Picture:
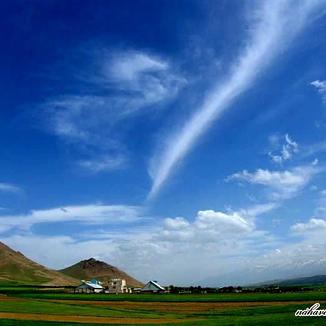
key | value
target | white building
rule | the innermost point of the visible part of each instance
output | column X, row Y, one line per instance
column 117, row 285
column 153, row 287
column 92, row 286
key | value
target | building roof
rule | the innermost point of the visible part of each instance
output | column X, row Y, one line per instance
column 156, row 285
column 92, row 284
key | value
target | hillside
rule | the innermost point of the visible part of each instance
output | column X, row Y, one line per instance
column 92, row 268
column 310, row 280
column 15, row 267
column 298, row 281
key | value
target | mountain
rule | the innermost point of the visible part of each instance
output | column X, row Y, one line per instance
column 299, row 281
column 92, row 268
column 310, row 280
column 15, row 267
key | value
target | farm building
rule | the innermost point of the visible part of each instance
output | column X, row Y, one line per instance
column 92, row 286
column 117, row 285
column 153, row 287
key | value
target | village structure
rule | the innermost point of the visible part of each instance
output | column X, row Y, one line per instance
column 153, row 287
column 92, row 286
column 117, row 286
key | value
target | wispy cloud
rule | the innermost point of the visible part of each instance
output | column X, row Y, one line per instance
column 258, row 209
column 215, row 236
column 7, row 187
column 321, row 87
column 286, row 152
column 283, row 184
column 147, row 78
column 314, row 224
column 230, row 241
column 85, row 214
column 267, row 39
column 104, row 163
column 120, row 85
column 130, row 66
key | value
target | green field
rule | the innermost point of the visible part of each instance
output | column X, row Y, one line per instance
column 232, row 297
column 31, row 306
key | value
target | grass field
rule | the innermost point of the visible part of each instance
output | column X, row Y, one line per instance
column 30, row 306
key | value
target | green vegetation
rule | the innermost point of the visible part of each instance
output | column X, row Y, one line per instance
column 58, row 308
column 230, row 297
column 167, row 309
column 29, row 275
column 13, row 322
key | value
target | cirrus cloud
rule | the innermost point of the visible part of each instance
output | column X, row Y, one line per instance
column 10, row 188
column 283, row 184
column 265, row 42
column 122, row 84
column 288, row 149
column 92, row 214
column 321, row 87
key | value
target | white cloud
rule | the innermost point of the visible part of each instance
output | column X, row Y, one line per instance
column 176, row 223
column 227, row 247
column 258, row 209
column 7, row 187
column 128, row 82
column 314, row 224
column 146, row 250
column 267, row 39
column 229, row 257
column 149, row 252
column 210, row 219
column 288, row 149
column 131, row 65
column 147, row 79
column 86, row 214
column 104, row 163
column 321, row 87
column 211, row 226
column 284, row 184
column 301, row 258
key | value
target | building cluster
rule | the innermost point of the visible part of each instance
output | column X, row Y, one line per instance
column 117, row 286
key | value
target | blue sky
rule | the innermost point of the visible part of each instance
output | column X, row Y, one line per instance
column 181, row 141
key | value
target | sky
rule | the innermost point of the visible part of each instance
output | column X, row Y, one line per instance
column 182, row 141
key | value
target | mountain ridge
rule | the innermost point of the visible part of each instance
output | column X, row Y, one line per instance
column 296, row 281
column 93, row 268
column 15, row 267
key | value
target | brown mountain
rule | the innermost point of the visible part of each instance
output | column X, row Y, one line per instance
column 15, row 267
column 92, row 268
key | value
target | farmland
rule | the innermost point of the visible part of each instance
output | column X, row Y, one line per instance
column 32, row 306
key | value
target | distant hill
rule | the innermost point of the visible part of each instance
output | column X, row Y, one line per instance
column 310, row 280
column 92, row 268
column 15, row 267
column 299, row 281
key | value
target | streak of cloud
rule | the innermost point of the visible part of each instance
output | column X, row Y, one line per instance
column 275, row 25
